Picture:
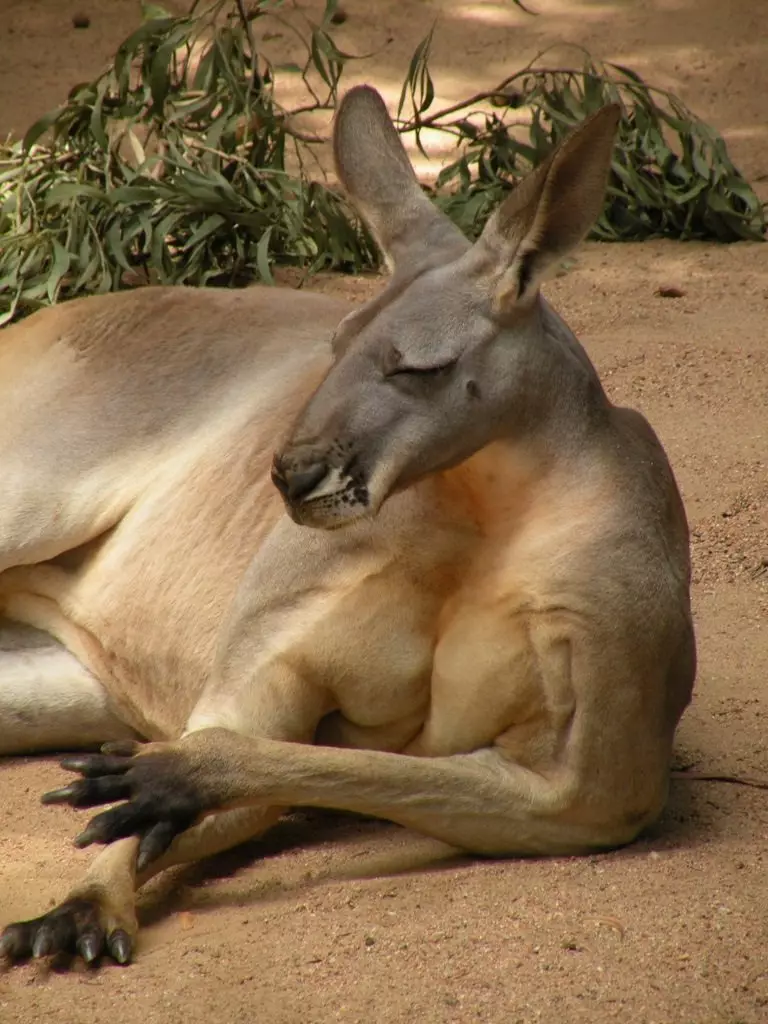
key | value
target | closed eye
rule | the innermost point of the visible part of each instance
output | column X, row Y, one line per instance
column 403, row 370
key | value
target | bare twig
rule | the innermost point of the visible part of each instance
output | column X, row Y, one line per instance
column 254, row 76
column 736, row 780
column 481, row 97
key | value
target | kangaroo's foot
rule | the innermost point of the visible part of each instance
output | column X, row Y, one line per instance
column 98, row 918
column 77, row 926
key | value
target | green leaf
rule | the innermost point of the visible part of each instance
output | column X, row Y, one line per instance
column 59, row 267
column 116, row 245
column 40, row 127
column 68, row 190
column 262, row 257
column 127, row 195
column 153, row 11
column 10, row 311
column 208, row 226
column 418, row 63
column 96, row 120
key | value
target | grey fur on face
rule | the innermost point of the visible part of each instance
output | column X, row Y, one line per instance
column 460, row 349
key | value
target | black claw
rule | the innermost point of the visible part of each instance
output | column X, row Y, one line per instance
column 86, row 837
column 44, row 942
column 59, row 796
column 120, row 946
column 121, row 748
column 16, row 941
column 90, row 792
column 156, row 841
column 118, row 823
column 92, row 766
column 110, row 825
column 90, row 945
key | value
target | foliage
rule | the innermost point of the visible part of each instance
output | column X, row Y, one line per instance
column 671, row 175
column 179, row 164
column 174, row 160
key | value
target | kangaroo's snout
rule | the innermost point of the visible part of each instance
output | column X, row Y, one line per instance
column 296, row 480
column 319, row 487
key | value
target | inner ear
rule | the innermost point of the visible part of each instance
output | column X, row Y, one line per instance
column 374, row 168
column 549, row 211
column 526, row 269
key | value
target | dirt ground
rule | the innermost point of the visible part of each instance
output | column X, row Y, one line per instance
column 333, row 919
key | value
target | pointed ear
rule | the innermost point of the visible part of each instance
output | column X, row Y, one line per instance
column 377, row 174
column 550, row 211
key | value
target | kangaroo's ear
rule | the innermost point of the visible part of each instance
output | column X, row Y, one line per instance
column 377, row 174
column 550, row 211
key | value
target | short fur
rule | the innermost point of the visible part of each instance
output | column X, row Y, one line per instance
column 494, row 650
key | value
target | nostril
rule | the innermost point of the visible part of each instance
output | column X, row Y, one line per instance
column 301, row 482
column 295, row 484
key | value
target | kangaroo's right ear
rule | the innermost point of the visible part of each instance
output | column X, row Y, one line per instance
column 377, row 174
column 549, row 211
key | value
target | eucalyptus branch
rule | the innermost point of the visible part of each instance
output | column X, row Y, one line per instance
column 212, row 201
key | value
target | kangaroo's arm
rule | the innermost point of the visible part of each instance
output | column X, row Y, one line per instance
column 480, row 801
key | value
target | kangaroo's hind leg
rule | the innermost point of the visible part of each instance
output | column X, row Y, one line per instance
column 48, row 699
column 80, row 436
column 99, row 914
column 61, row 483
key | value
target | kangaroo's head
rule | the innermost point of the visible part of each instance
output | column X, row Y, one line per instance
column 452, row 354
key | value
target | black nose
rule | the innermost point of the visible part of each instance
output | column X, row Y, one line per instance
column 295, row 484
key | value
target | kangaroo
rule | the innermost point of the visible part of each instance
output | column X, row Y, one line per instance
column 457, row 597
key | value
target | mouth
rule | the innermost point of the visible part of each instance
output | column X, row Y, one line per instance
column 332, row 512
column 330, row 500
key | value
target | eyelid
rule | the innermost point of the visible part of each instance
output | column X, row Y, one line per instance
column 420, row 371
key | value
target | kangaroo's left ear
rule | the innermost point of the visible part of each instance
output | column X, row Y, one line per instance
column 379, row 179
column 549, row 211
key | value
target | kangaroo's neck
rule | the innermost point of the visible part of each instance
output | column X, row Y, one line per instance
column 552, row 429
column 495, row 485
column 559, row 404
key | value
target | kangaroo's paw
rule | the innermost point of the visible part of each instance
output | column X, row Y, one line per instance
column 160, row 799
column 79, row 926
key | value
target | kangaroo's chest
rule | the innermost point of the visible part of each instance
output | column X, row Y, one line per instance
column 424, row 663
column 354, row 615
column 372, row 648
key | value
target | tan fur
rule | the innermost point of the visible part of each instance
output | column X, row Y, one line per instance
column 497, row 657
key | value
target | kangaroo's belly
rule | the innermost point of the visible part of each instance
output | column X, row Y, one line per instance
column 152, row 595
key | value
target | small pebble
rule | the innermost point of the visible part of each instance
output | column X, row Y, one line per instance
column 670, row 291
column 81, row 21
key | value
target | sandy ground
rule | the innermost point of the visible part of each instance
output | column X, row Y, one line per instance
column 334, row 919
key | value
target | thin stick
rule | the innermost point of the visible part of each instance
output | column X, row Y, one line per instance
column 736, row 780
column 252, row 46
column 423, row 122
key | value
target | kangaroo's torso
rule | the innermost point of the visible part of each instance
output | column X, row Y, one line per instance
column 460, row 574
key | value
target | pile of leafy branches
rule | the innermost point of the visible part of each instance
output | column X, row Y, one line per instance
column 671, row 176
column 179, row 164
column 171, row 166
